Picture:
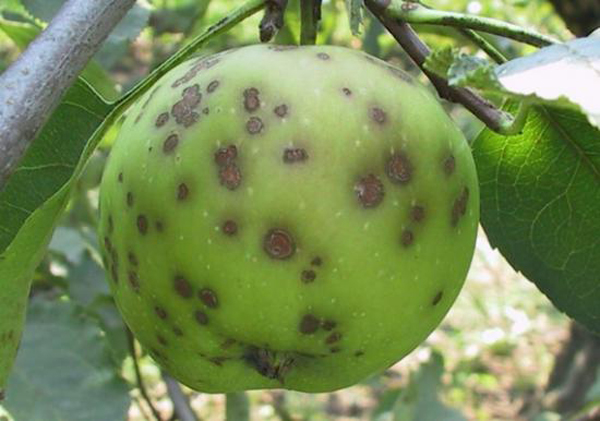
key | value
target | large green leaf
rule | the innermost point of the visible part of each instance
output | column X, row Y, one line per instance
column 540, row 206
column 64, row 370
column 33, row 199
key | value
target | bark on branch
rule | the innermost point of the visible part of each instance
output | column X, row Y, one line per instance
column 32, row 87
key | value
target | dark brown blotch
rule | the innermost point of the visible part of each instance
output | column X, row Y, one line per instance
column 359, row 353
column 323, row 56
column 205, row 110
column 459, row 209
column 292, row 155
column 161, row 340
column 309, row 324
column 134, row 281
column 177, row 331
column 378, row 115
column 208, row 297
column 438, row 297
column 316, row 261
column 201, row 317
column 417, row 213
column 281, row 110
column 369, row 191
column 182, row 287
column 212, row 86
column 308, row 276
column 160, row 312
column 328, row 325
column 129, row 199
column 229, row 227
column 162, row 119
column 407, row 238
column 183, row 191
column 226, row 155
column 120, row 177
column 142, row 224
column 230, row 176
column 347, row 91
column 170, row 143
column 183, row 110
column 449, row 165
column 132, row 258
column 333, row 338
column 107, row 244
column 279, row 244
column 251, row 99
column 254, row 125
column 399, row 168
column 111, row 225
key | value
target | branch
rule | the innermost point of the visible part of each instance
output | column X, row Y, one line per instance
column 138, row 375
column 485, row 45
column 32, row 87
column 310, row 15
column 181, row 404
column 272, row 22
column 414, row 13
column 495, row 119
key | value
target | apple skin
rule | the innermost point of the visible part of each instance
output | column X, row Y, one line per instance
column 286, row 217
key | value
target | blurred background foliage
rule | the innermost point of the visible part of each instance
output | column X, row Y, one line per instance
column 503, row 352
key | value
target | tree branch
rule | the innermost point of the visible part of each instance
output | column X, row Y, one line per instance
column 494, row 118
column 32, row 87
column 181, row 404
column 272, row 22
column 138, row 375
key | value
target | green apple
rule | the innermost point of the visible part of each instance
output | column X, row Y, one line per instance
column 286, row 217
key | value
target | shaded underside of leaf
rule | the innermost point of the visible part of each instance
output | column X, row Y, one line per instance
column 52, row 158
column 540, row 199
column 64, row 369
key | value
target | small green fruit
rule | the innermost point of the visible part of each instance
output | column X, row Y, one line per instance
column 281, row 217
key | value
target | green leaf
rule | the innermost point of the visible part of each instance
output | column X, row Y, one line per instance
column 440, row 60
column 560, row 75
column 419, row 400
column 86, row 281
column 355, row 15
column 540, row 206
column 64, row 370
column 33, row 200
column 116, row 44
column 52, row 158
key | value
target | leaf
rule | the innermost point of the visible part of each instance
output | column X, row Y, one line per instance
column 540, row 206
column 355, row 15
column 440, row 60
column 116, row 44
column 64, row 370
column 559, row 75
column 420, row 400
column 123, row 34
column 52, row 158
column 86, row 281
column 33, row 199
